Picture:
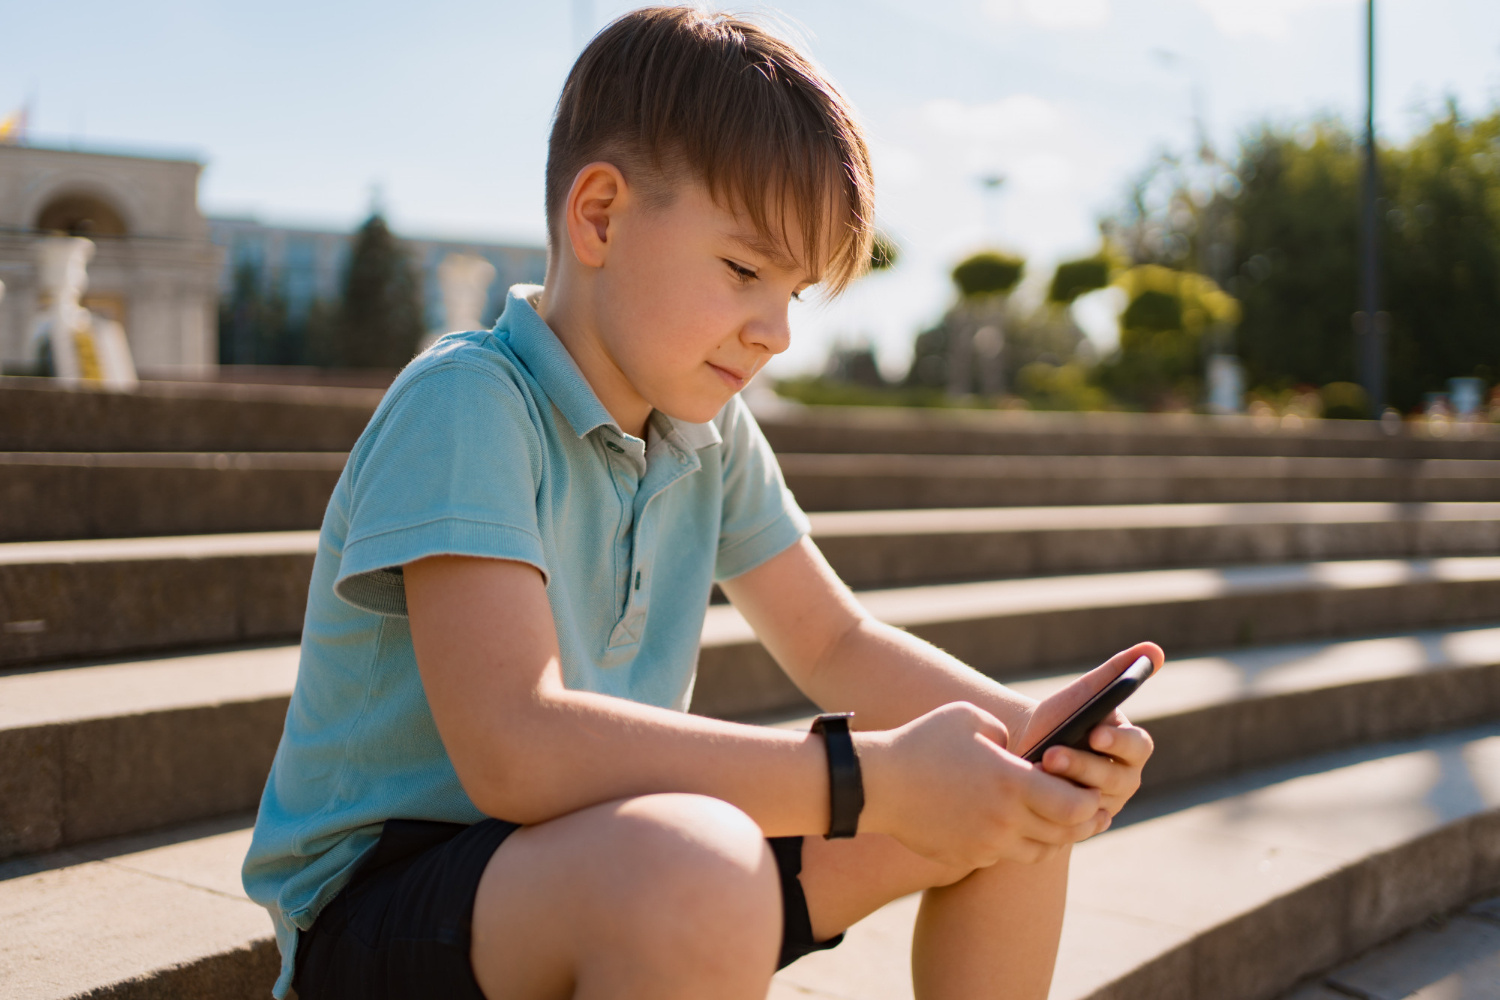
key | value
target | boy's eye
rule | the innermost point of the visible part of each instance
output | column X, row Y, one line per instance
column 743, row 274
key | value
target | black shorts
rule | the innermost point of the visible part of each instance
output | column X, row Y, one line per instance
column 400, row 928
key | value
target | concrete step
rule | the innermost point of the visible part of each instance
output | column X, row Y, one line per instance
column 1234, row 893
column 1234, row 711
column 1242, row 888
column 104, row 749
column 1013, row 627
column 183, row 591
column 874, row 549
column 75, row 495
column 1450, row 957
column 894, row 430
column 898, row 482
column 72, row 495
column 159, row 917
column 36, row 415
column 109, row 597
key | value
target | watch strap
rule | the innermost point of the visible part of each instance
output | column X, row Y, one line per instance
column 846, row 788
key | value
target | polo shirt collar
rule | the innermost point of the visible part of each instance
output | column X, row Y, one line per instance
column 558, row 374
column 689, row 437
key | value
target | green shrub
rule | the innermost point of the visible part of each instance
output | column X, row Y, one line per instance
column 1345, row 401
column 815, row 390
column 1060, row 387
column 883, row 252
column 1078, row 277
column 988, row 273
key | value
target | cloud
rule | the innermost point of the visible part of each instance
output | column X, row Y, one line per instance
column 894, row 164
column 1019, row 117
column 1059, row 166
column 1267, row 18
column 1042, row 148
column 1055, row 14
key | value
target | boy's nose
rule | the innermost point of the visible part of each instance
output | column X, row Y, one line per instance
column 771, row 333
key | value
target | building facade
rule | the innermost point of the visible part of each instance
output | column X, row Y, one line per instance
column 155, row 271
column 160, row 267
column 306, row 265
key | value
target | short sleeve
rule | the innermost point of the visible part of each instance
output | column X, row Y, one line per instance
column 450, row 467
column 760, row 516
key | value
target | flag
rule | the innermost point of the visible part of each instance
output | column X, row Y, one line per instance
column 13, row 126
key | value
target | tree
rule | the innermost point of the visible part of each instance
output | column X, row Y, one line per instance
column 967, row 352
column 254, row 323
column 986, row 340
column 1297, row 254
column 1289, row 215
column 1160, row 360
column 380, row 317
column 1441, row 265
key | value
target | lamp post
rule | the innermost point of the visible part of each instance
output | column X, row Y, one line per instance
column 991, row 184
column 1369, row 321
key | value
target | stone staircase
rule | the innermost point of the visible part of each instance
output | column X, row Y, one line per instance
column 1328, row 765
column 1453, row 957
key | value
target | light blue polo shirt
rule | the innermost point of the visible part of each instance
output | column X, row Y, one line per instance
column 493, row 444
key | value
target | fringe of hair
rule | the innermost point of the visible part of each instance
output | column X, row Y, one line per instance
column 664, row 92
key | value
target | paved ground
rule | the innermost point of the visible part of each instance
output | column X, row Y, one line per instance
column 1146, row 899
column 1456, row 959
column 1453, row 959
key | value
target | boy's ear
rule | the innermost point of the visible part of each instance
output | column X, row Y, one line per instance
column 597, row 195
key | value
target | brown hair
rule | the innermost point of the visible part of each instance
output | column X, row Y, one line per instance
column 679, row 90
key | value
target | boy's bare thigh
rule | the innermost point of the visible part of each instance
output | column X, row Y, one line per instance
column 681, row 882
column 650, row 890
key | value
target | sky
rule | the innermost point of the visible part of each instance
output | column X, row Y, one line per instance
column 302, row 112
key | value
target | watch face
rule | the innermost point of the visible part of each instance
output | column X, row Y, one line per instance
column 840, row 719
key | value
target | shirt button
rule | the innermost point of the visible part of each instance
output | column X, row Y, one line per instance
column 614, row 448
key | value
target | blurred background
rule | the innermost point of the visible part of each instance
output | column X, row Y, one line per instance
column 1090, row 204
column 1118, row 205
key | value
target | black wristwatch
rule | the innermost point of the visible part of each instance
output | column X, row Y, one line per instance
column 846, row 787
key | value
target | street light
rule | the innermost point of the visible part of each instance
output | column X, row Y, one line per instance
column 1369, row 321
column 991, row 185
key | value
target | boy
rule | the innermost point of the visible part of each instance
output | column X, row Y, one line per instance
column 487, row 786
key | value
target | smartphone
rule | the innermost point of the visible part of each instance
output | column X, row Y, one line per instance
column 1074, row 730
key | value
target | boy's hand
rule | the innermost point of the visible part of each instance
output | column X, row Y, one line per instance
column 945, row 786
column 1114, row 769
column 1121, row 750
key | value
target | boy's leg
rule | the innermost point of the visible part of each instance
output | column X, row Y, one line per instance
column 993, row 934
column 661, row 896
column 982, row 935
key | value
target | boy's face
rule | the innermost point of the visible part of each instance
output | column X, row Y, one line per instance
column 692, row 302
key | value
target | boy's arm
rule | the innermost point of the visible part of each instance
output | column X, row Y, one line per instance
column 528, row 749
column 845, row 660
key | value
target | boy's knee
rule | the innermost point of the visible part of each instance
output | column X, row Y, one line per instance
column 677, row 818
column 689, row 868
column 690, row 840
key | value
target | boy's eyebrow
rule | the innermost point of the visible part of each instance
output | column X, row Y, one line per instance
column 756, row 243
